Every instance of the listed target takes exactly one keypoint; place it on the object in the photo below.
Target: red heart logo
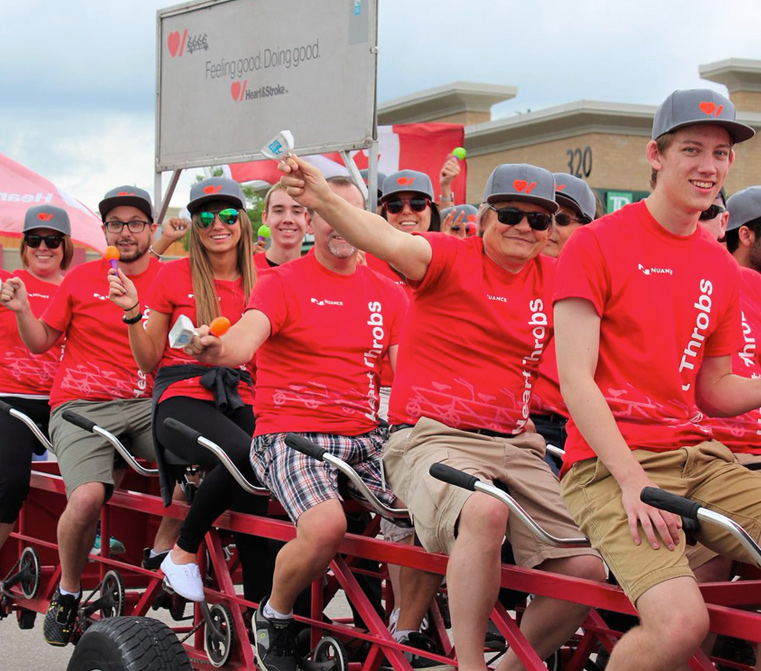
(235, 90)
(405, 181)
(559, 187)
(173, 42)
(126, 193)
(707, 107)
(471, 217)
(212, 189)
(520, 184)
(44, 216)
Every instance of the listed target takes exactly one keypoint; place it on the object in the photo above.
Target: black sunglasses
(417, 204)
(51, 241)
(512, 216)
(712, 212)
(563, 219)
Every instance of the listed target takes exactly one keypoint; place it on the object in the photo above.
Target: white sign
(232, 73)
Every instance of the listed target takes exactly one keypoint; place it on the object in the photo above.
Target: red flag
(418, 146)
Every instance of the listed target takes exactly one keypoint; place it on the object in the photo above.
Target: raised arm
(237, 346)
(577, 342)
(36, 334)
(409, 254)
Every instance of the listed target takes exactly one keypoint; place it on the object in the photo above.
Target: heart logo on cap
(559, 187)
(45, 216)
(173, 42)
(212, 189)
(126, 193)
(522, 186)
(471, 217)
(405, 181)
(709, 108)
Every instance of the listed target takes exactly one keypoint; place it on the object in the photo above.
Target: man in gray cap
(491, 292)
(97, 378)
(647, 317)
(743, 233)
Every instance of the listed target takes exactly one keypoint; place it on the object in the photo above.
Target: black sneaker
(61, 618)
(275, 642)
(153, 563)
(422, 642)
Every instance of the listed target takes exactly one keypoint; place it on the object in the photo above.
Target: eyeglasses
(417, 204)
(136, 226)
(712, 212)
(512, 216)
(563, 219)
(51, 241)
(227, 216)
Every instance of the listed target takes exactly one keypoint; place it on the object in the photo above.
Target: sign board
(232, 73)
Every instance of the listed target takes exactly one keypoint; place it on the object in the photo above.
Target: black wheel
(30, 563)
(26, 619)
(112, 595)
(129, 644)
(330, 649)
(219, 644)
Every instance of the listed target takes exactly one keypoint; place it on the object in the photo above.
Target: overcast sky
(77, 79)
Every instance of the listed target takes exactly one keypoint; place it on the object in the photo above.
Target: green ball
(459, 152)
(264, 231)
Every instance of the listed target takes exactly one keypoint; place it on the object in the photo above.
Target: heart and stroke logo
(238, 90)
(212, 190)
(710, 108)
(522, 186)
(45, 216)
(405, 181)
(176, 43)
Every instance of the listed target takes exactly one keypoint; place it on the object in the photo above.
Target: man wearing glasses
(99, 379)
(491, 293)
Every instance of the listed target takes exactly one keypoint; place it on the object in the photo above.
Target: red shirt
(261, 264)
(743, 433)
(665, 302)
(472, 339)
(172, 294)
(21, 372)
(546, 398)
(97, 362)
(318, 371)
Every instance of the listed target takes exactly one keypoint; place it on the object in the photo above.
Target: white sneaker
(184, 579)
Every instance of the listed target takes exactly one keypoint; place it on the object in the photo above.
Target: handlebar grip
(78, 420)
(184, 430)
(304, 446)
(453, 476)
(4, 407)
(660, 498)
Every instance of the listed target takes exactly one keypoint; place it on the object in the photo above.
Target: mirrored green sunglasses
(227, 216)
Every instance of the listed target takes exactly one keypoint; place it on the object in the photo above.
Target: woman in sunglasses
(215, 280)
(578, 206)
(25, 378)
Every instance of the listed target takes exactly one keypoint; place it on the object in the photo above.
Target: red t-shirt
(743, 433)
(172, 294)
(665, 302)
(97, 361)
(318, 371)
(261, 264)
(472, 339)
(21, 372)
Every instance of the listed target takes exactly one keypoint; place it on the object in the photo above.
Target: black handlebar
(183, 429)
(660, 498)
(453, 476)
(304, 446)
(4, 407)
(78, 420)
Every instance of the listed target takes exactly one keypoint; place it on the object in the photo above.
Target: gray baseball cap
(744, 206)
(381, 178)
(575, 193)
(126, 195)
(469, 212)
(521, 182)
(216, 188)
(47, 216)
(699, 106)
(407, 180)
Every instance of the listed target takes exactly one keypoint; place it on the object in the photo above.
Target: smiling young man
(98, 378)
(288, 223)
(491, 293)
(647, 317)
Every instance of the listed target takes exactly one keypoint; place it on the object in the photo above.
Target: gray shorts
(85, 457)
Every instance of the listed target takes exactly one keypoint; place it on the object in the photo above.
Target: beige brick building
(602, 142)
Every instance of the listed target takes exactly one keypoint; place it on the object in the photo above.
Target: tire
(330, 649)
(129, 644)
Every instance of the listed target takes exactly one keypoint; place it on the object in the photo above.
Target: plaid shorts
(300, 482)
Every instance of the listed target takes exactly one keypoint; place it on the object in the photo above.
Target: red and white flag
(419, 146)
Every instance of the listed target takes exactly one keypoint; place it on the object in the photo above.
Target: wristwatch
(132, 320)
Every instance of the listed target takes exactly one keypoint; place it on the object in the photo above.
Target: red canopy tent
(22, 188)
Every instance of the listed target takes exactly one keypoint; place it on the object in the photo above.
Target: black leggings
(17, 444)
(219, 491)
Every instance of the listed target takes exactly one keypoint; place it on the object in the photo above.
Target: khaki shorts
(517, 462)
(85, 457)
(707, 473)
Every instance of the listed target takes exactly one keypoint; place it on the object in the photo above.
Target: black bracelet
(132, 320)
(136, 305)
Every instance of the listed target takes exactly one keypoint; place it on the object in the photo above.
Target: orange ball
(112, 253)
(219, 326)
